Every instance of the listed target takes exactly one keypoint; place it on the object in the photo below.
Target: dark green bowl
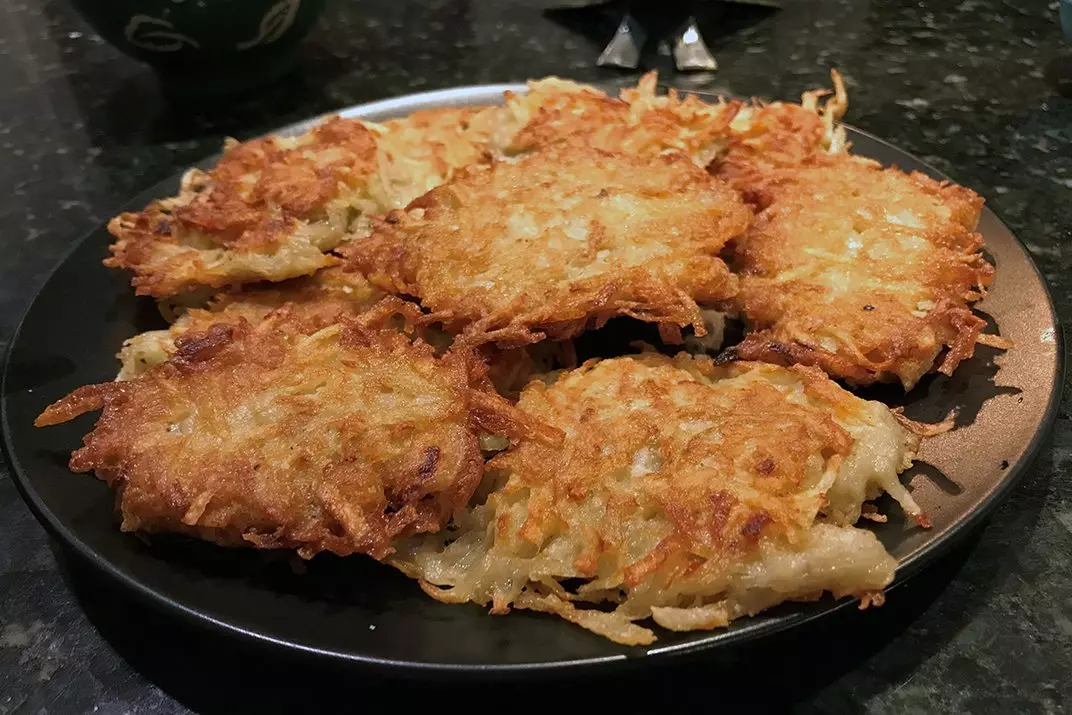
(206, 46)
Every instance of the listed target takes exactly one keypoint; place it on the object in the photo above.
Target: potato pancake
(309, 303)
(268, 211)
(557, 241)
(863, 271)
(685, 492)
(252, 435)
(372, 351)
(764, 136)
(272, 207)
(421, 151)
(640, 123)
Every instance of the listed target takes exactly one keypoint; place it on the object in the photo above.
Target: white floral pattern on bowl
(156, 34)
(274, 24)
(159, 35)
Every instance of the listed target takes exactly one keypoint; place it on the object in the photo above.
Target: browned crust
(448, 248)
(302, 305)
(781, 135)
(959, 324)
(310, 302)
(252, 202)
(713, 515)
(639, 122)
(675, 477)
(766, 136)
(903, 290)
(330, 466)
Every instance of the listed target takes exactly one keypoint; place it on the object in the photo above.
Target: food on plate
(865, 271)
(372, 351)
(309, 304)
(558, 241)
(684, 492)
(734, 138)
(639, 123)
(339, 441)
(424, 149)
(269, 210)
(764, 136)
(272, 208)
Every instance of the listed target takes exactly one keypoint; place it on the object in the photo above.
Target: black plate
(358, 611)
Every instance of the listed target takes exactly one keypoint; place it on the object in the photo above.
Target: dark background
(979, 88)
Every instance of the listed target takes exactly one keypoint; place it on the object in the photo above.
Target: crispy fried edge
(136, 233)
(384, 259)
(949, 315)
(488, 411)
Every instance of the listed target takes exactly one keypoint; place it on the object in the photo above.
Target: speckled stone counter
(978, 88)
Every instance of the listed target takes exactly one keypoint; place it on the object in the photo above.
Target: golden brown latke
(421, 151)
(765, 136)
(272, 207)
(864, 271)
(314, 302)
(309, 304)
(251, 435)
(313, 415)
(558, 241)
(685, 492)
(268, 211)
(640, 123)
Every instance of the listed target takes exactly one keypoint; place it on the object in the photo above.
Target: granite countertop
(978, 88)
